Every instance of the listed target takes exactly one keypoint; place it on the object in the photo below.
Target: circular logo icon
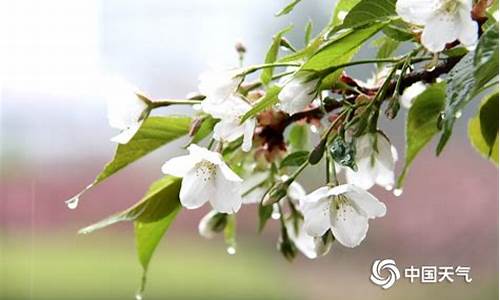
(392, 273)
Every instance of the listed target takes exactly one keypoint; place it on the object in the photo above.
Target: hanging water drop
(314, 129)
(138, 296)
(73, 202)
(458, 114)
(231, 250)
(398, 192)
(276, 215)
(388, 187)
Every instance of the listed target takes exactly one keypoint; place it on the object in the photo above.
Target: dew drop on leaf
(458, 114)
(397, 192)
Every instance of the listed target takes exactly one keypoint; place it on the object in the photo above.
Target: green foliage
(341, 9)
(421, 123)
(265, 213)
(483, 128)
(298, 137)
(398, 30)
(154, 133)
(272, 55)
(206, 127)
(294, 159)
(462, 87)
(386, 47)
(152, 216)
(486, 56)
(369, 12)
(307, 32)
(266, 102)
(334, 51)
(288, 8)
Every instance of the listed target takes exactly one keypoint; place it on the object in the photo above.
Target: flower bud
(277, 192)
(211, 224)
(286, 246)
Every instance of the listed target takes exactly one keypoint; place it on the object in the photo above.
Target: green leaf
(421, 123)
(483, 128)
(271, 56)
(207, 127)
(265, 213)
(266, 102)
(334, 52)
(462, 87)
(154, 133)
(307, 32)
(294, 159)
(398, 30)
(298, 137)
(386, 48)
(341, 9)
(368, 12)
(152, 216)
(287, 9)
(160, 200)
(486, 56)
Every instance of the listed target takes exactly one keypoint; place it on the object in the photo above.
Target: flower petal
(365, 175)
(196, 189)
(226, 197)
(416, 11)
(179, 166)
(249, 128)
(316, 216)
(468, 31)
(296, 192)
(440, 30)
(348, 226)
(364, 202)
(304, 242)
(200, 153)
(228, 130)
(228, 173)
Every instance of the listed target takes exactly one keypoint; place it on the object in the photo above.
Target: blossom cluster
(357, 154)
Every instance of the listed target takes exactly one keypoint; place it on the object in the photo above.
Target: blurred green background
(54, 139)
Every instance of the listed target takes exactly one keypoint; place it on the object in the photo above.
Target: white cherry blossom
(444, 21)
(205, 177)
(217, 85)
(343, 209)
(312, 247)
(297, 93)
(375, 161)
(126, 112)
(230, 112)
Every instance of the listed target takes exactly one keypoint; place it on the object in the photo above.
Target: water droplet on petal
(73, 202)
(398, 192)
(231, 250)
(458, 114)
(138, 296)
(388, 187)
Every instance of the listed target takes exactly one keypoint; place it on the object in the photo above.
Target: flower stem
(167, 102)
